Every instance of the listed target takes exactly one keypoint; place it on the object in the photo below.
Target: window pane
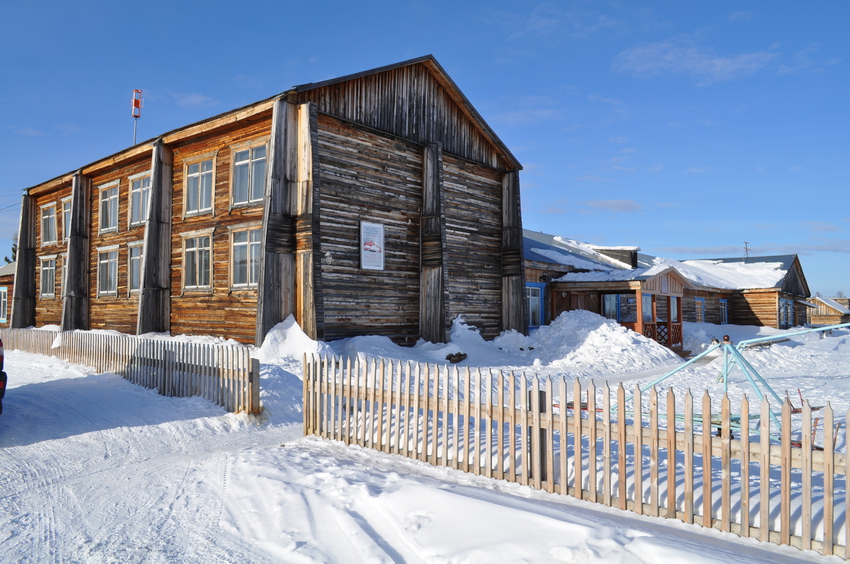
(240, 264)
(193, 168)
(646, 308)
(206, 187)
(674, 309)
(240, 183)
(609, 306)
(192, 194)
(258, 180)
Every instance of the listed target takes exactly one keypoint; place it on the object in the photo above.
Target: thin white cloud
(193, 100)
(617, 206)
(804, 61)
(27, 131)
(676, 56)
(741, 15)
(822, 226)
(697, 170)
(620, 140)
(655, 168)
(597, 98)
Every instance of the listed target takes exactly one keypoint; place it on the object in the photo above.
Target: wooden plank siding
(473, 195)
(371, 177)
(118, 312)
(48, 309)
(408, 102)
(222, 310)
(754, 307)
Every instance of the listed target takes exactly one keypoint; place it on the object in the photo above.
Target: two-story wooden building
(376, 203)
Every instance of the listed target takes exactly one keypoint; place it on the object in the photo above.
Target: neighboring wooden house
(329, 202)
(829, 311)
(7, 283)
(765, 291)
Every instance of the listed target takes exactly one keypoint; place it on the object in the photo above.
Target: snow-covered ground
(95, 469)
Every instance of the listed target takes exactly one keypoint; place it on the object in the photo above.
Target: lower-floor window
(699, 308)
(107, 273)
(534, 297)
(724, 311)
(611, 306)
(48, 277)
(4, 304)
(196, 270)
(246, 257)
(674, 309)
(646, 308)
(135, 259)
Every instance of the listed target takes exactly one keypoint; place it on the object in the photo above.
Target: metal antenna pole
(137, 111)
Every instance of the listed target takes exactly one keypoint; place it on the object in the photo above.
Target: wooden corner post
(308, 305)
(23, 300)
(75, 300)
(276, 292)
(432, 241)
(155, 291)
(514, 315)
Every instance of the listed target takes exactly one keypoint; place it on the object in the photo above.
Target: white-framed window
(249, 175)
(48, 276)
(107, 271)
(4, 304)
(197, 260)
(134, 267)
(674, 309)
(140, 195)
(699, 308)
(48, 224)
(646, 308)
(109, 207)
(724, 312)
(245, 257)
(534, 298)
(199, 187)
(66, 218)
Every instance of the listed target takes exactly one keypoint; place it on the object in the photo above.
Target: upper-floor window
(48, 276)
(246, 257)
(140, 195)
(66, 218)
(199, 187)
(109, 207)
(107, 271)
(249, 174)
(48, 224)
(197, 262)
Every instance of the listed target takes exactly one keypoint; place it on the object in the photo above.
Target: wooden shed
(828, 311)
(376, 203)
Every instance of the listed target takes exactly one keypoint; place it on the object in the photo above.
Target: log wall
(118, 312)
(222, 310)
(754, 308)
(48, 310)
(370, 177)
(473, 200)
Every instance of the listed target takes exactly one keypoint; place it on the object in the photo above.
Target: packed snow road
(95, 469)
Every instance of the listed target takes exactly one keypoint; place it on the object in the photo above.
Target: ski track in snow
(95, 469)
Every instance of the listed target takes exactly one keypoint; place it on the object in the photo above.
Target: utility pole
(746, 249)
(137, 111)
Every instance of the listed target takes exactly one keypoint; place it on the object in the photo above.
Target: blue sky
(684, 128)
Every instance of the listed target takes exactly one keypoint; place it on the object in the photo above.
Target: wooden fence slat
(523, 431)
(565, 483)
(500, 435)
(379, 413)
(550, 437)
(512, 428)
(488, 425)
(622, 502)
(592, 475)
(745, 466)
(446, 411)
(606, 444)
(536, 446)
(764, 471)
(455, 409)
(806, 477)
(670, 478)
(416, 419)
(637, 403)
(653, 452)
(829, 481)
(785, 483)
(725, 465)
(706, 461)
(688, 505)
(467, 430)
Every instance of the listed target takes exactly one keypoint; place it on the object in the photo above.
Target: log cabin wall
(48, 306)
(754, 307)
(473, 195)
(367, 176)
(409, 102)
(711, 300)
(219, 308)
(115, 309)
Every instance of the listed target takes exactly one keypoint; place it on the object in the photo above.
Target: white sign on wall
(371, 246)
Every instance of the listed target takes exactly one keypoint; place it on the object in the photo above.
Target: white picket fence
(223, 374)
(490, 423)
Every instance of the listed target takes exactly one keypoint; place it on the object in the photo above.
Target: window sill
(252, 203)
(107, 230)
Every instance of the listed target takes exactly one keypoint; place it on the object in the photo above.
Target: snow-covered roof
(834, 305)
(7, 269)
(722, 273)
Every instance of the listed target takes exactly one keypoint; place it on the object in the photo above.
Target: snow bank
(286, 340)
